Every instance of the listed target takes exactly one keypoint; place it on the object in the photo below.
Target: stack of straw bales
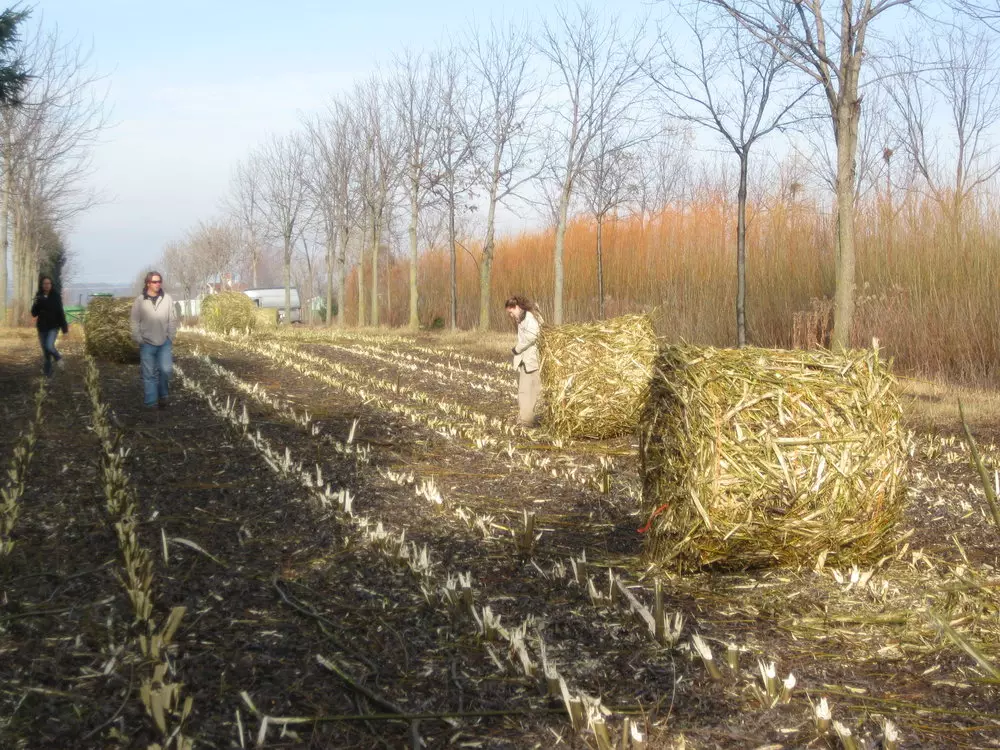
(755, 457)
(225, 311)
(108, 329)
(595, 376)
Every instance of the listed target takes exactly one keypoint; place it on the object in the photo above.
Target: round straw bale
(225, 311)
(267, 317)
(753, 457)
(595, 376)
(108, 329)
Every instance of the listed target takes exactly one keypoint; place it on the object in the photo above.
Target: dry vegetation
(344, 540)
(932, 303)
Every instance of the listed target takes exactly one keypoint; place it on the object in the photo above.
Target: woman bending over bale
(529, 381)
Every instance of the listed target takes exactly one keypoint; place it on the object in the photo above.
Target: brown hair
(524, 303)
(149, 277)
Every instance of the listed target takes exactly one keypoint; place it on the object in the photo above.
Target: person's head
(517, 306)
(45, 285)
(154, 283)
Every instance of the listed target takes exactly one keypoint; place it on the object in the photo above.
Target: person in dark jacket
(47, 309)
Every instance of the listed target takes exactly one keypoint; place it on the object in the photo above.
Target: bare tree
(13, 78)
(963, 80)
(730, 82)
(245, 204)
(180, 267)
(609, 182)
(336, 149)
(321, 179)
(453, 169)
(46, 147)
(284, 195)
(831, 50)
(214, 247)
(379, 171)
(986, 12)
(599, 70)
(414, 91)
(505, 117)
(663, 168)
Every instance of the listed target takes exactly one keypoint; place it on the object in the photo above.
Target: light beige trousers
(529, 386)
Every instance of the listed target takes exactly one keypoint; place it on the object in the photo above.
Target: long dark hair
(41, 280)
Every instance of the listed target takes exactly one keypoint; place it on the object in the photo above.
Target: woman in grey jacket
(154, 325)
(526, 362)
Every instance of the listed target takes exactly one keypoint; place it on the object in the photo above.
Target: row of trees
(51, 113)
(590, 115)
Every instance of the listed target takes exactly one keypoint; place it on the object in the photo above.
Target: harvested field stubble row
(17, 473)
(288, 411)
(403, 357)
(658, 624)
(480, 431)
(407, 343)
(454, 594)
(440, 374)
(230, 528)
(64, 670)
(162, 695)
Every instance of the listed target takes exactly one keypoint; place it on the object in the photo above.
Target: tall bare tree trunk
(414, 214)
(848, 114)
(453, 261)
(600, 267)
(5, 317)
(741, 253)
(486, 268)
(362, 298)
(342, 276)
(376, 236)
(19, 265)
(288, 281)
(557, 303)
(331, 258)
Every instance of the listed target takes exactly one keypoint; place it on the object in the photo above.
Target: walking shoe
(163, 403)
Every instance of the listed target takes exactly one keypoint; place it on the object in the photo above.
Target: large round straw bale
(595, 376)
(754, 457)
(267, 317)
(225, 311)
(108, 329)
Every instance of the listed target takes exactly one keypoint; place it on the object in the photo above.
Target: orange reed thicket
(927, 292)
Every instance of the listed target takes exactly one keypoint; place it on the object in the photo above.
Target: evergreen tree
(13, 76)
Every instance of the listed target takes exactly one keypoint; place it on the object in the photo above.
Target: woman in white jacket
(526, 361)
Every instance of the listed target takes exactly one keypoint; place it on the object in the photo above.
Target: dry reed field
(928, 295)
(343, 540)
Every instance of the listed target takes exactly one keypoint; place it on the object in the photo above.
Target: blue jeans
(156, 363)
(47, 340)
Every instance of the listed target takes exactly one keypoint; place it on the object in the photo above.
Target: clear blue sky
(193, 86)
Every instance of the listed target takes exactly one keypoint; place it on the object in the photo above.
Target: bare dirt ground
(309, 624)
